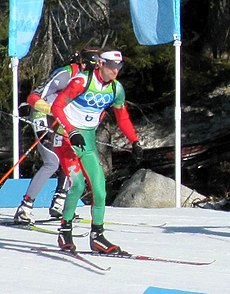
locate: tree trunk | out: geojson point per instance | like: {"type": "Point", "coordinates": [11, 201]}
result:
{"type": "Point", "coordinates": [219, 32]}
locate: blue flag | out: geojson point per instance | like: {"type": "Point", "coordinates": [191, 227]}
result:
{"type": "Point", "coordinates": [24, 19]}
{"type": "Point", "coordinates": [155, 21]}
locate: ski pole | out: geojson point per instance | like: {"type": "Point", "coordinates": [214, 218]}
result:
{"type": "Point", "coordinates": [25, 155]}
{"type": "Point", "coordinates": [113, 146]}
{"type": "Point", "coordinates": [50, 130]}
{"type": "Point", "coordinates": [28, 121]}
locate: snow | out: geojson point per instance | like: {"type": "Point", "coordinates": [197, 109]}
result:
{"type": "Point", "coordinates": [189, 234]}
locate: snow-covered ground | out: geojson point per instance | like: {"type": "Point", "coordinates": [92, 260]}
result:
{"type": "Point", "coordinates": [189, 234]}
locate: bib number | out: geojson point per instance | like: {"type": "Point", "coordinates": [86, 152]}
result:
{"type": "Point", "coordinates": [40, 124]}
{"type": "Point", "coordinates": [57, 140]}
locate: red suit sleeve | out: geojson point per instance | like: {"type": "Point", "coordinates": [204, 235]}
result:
{"type": "Point", "coordinates": [32, 99]}
{"type": "Point", "coordinates": [65, 97]}
{"type": "Point", "coordinates": [125, 124]}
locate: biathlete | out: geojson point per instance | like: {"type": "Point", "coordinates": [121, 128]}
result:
{"type": "Point", "coordinates": [40, 101]}
{"type": "Point", "coordinates": [79, 109]}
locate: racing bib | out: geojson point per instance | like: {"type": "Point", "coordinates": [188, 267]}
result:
{"type": "Point", "coordinates": [57, 140]}
{"type": "Point", "coordinates": [82, 118]}
{"type": "Point", "coordinates": [40, 124]}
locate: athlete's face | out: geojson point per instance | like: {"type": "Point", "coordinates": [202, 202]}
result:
{"type": "Point", "coordinates": [109, 70]}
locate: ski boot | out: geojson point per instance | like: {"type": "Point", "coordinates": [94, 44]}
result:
{"type": "Point", "coordinates": [65, 240]}
{"type": "Point", "coordinates": [57, 204]}
{"type": "Point", "coordinates": [99, 243]}
{"type": "Point", "coordinates": [24, 211]}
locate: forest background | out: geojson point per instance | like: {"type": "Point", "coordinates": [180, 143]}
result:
{"type": "Point", "coordinates": [148, 75]}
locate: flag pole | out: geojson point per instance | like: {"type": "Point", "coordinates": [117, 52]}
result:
{"type": "Point", "coordinates": [158, 22]}
{"type": "Point", "coordinates": [14, 66]}
{"type": "Point", "coordinates": [177, 44]}
{"type": "Point", "coordinates": [24, 18]}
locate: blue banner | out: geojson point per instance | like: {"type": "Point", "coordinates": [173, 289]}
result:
{"type": "Point", "coordinates": [155, 21]}
{"type": "Point", "coordinates": [24, 19]}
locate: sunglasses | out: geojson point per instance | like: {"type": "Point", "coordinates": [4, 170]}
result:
{"type": "Point", "coordinates": [113, 64]}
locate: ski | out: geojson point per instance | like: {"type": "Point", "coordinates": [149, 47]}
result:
{"type": "Point", "coordinates": [48, 231]}
{"type": "Point", "coordinates": [47, 220]}
{"type": "Point", "coordinates": [88, 221]}
{"type": "Point", "coordinates": [73, 254]}
{"type": "Point", "coordinates": [124, 255]}
{"type": "Point", "coordinates": [127, 255]}
{"type": "Point", "coordinates": [37, 229]}
{"type": "Point", "coordinates": [129, 231]}
{"type": "Point", "coordinates": [81, 220]}
{"type": "Point", "coordinates": [55, 219]}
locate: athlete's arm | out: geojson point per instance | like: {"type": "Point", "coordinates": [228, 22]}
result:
{"type": "Point", "coordinates": [57, 82]}
{"type": "Point", "coordinates": [124, 122]}
{"type": "Point", "coordinates": [122, 114]}
{"type": "Point", "coordinates": [35, 101]}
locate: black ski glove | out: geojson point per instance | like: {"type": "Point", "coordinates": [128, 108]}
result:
{"type": "Point", "coordinates": [76, 139]}
{"type": "Point", "coordinates": [137, 152]}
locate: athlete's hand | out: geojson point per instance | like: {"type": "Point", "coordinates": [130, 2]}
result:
{"type": "Point", "coordinates": [76, 139]}
{"type": "Point", "coordinates": [137, 151]}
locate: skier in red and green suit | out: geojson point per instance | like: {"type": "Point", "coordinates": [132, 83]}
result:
{"type": "Point", "coordinates": [79, 112]}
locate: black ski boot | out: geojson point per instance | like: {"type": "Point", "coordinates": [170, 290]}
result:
{"type": "Point", "coordinates": [65, 240]}
{"type": "Point", "coordinates": [99, 243]}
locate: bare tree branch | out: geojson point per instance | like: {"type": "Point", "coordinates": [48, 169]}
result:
{"type": "Point", "coordinates": [59, 30]}
{"type": "Point", "coordinates": [65, 19]}
{"type": "Point", "coordinates": [86, 12]}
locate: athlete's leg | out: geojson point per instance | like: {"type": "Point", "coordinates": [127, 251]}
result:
{"type": "Point", "coordinates": [72, 169]}
{"type": "Point", "coordinates": [71, 166]}
{"type": "Point", "coordinates": [48, 168]}
{"type": "Point", "coordinates": [93, 171]}
{"type": "Point", "coordinates": [59, 197]}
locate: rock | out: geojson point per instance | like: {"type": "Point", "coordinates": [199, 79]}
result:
{"type": "Point", "coordinates": [148, 189]}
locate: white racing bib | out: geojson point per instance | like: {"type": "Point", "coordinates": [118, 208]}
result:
{"type": "Point", "coordinates": [57, 140]}
{"type": "Point", "coordinates": [82, 118]}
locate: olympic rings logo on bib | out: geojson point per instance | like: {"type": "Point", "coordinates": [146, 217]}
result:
{"type": "Point", "coordinates": [99, 99]}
